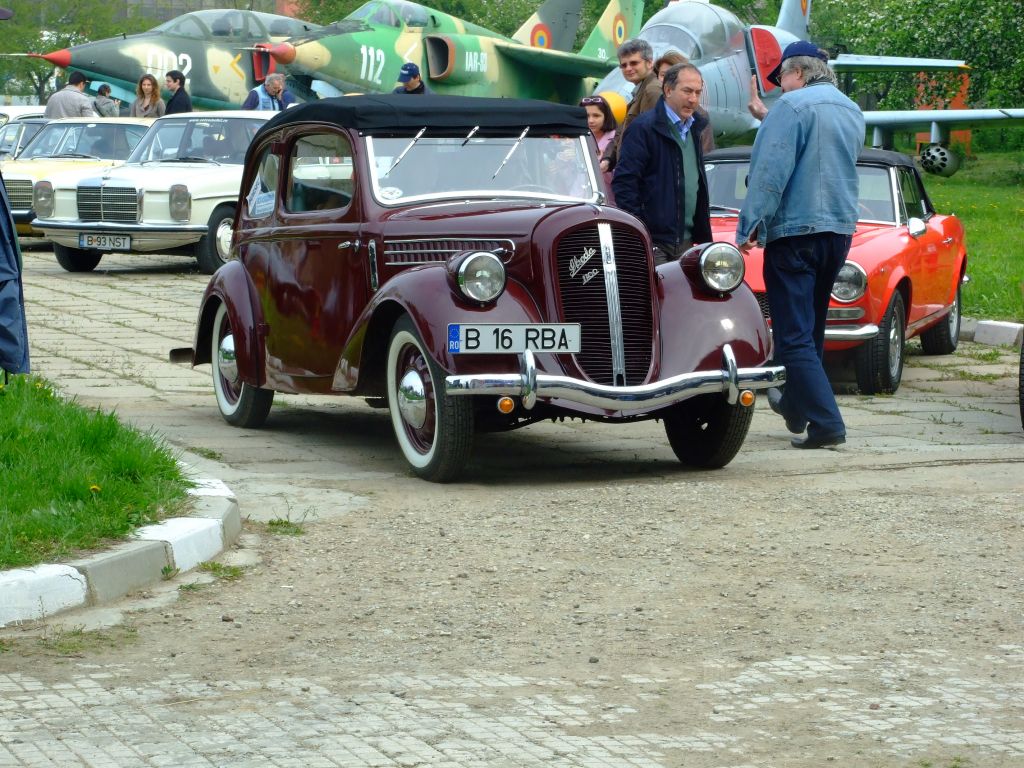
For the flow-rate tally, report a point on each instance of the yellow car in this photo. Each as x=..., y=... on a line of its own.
x=74, y=143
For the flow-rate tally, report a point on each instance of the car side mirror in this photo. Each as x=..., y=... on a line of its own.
x=916, y=227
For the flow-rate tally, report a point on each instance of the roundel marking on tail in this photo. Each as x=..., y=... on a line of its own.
x=540, y=36
x=619, y=29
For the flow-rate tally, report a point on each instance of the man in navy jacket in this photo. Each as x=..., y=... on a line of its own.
x=660, y=173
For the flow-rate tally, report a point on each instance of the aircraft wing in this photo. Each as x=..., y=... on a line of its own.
x=850, y=62
x=555, y=62
x=947, y=119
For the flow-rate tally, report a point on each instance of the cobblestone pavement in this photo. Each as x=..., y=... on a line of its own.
x=579, y=601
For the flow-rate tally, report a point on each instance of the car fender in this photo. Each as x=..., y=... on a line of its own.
x=880, y=293
x=232, y=286
x=427, y=294
x=711, y=322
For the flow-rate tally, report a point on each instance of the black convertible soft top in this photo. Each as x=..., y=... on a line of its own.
x=867, y=155
x=388, y=112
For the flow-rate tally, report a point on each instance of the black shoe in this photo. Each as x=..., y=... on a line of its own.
x=774, y=394
x=826, y=441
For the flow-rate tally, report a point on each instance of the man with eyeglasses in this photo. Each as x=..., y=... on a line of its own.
x=801, y=206
x=636, y=60
x=660, y=175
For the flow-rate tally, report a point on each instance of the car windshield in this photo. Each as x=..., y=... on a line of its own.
x=408, y=169
x=197, y=139
x=16, y=134
x=727, y=189
x=106, y=141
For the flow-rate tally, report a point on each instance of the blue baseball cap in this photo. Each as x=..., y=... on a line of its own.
x=799, y=48
x=408, y=72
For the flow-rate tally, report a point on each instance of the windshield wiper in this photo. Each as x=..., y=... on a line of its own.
x=515, y=146
x=405, y=151
x=190, y=159
x=77, y=154
x=470, y=135
x=715, y=207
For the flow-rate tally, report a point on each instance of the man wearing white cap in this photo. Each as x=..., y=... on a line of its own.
x=802, y=206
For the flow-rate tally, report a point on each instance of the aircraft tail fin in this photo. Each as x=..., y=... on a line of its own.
x=553, y=26
x=794, y=16
x=619, y=22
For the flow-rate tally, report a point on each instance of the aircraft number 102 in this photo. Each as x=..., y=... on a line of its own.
x=161, y=61
x=372, y=63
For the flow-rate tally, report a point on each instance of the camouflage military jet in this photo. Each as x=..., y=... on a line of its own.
x=213, y=48
x=364, y=52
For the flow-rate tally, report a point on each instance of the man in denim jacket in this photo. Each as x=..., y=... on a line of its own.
x=802, y=205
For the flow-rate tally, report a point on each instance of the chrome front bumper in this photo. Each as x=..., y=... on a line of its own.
x=851, y=332
x=530, y=385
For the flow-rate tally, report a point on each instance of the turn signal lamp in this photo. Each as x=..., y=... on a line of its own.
x=506, y=405
x=747, y=398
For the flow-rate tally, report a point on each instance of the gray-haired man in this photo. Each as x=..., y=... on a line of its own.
x=272, y=95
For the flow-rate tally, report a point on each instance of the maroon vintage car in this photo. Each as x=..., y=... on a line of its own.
x=449, y=258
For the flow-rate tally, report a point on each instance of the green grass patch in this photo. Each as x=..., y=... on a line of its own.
x=221, y=571
x=987, y=194
x=284, y=527
x=75, y=478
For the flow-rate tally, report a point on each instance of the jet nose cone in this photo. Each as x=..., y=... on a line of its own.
x=283, y=53
x=61, y=58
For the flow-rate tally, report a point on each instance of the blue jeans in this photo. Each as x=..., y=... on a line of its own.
x=798, y=276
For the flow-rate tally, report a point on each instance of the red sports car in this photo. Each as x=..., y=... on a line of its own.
x=901, y=279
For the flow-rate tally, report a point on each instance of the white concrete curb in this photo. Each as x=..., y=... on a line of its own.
x=179, y=543
x=992, y=332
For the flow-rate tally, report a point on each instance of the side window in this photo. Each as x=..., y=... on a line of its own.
x=320, y=173
x=914, y=202
x=263, y=193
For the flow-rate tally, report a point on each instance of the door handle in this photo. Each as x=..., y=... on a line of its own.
x=947, y=240
x=349, y=244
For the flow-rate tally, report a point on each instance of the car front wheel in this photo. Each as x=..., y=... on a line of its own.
x=241, y=404
x=214, y=250
x=705, y=431
x=942, y=339
x=434, y=430
x=879, y=362
x=76, y=259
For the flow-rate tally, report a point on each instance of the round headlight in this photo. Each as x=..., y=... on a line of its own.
x=481, y=277
x=180, y=202
x=721, y=267
x=850, y=284
x=42, y=199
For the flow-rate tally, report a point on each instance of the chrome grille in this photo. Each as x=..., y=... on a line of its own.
x=108, y=204
x=403, y=252
x=762, y=300
x=19, y=193
x=586, y=303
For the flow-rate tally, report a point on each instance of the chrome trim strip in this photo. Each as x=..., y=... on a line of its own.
x=390, y=253
x=851, y=332
x=648, y=397
x=114, y=227
x=611, y=291
x=371, y=249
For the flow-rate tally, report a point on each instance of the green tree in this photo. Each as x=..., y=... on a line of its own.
x=42, y=27
x=985, y=33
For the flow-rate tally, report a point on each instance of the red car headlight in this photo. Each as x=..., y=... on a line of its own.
x=850, y=284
